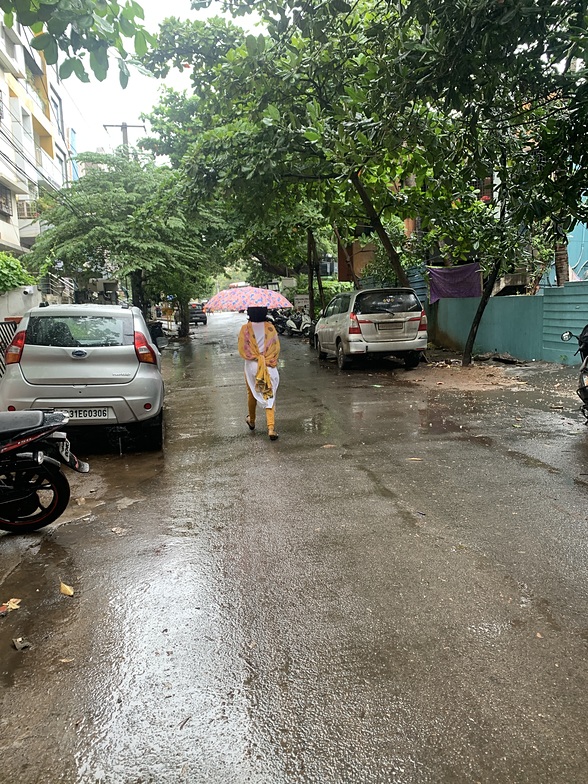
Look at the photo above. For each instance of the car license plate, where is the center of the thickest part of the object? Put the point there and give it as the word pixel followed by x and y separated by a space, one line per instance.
pixel 85 414
pixel 390 325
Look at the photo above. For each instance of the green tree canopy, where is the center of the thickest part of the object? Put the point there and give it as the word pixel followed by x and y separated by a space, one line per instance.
pixel 86 32
pixel 124 218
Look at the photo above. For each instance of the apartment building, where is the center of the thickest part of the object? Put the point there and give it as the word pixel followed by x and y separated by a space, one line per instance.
pixel 34 140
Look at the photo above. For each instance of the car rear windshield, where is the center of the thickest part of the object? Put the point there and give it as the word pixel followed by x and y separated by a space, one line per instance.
pixel 82 330
pixel 386 302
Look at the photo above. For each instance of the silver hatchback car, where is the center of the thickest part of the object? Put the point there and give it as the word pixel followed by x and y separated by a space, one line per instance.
pixel 96 362
pixel 386 321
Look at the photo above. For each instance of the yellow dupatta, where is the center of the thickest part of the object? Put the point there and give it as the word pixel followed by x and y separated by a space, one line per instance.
pixel 249 349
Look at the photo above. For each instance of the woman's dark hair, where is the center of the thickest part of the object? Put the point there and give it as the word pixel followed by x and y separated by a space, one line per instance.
pixel 257 314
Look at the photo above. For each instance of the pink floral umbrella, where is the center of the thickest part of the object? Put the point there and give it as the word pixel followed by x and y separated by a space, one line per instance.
pixel 245 297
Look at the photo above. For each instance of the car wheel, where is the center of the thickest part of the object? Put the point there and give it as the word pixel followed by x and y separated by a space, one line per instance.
pixel 321 354
pixel 412 359
pixel 343 361
pixel 151 433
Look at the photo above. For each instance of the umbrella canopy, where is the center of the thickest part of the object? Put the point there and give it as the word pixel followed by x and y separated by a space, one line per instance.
pixel 247 297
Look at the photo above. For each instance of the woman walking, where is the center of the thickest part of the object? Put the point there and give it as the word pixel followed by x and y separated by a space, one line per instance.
pixel 260 348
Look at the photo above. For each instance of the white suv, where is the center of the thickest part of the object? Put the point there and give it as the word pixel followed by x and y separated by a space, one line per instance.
pixel 96 362
pixel 373 321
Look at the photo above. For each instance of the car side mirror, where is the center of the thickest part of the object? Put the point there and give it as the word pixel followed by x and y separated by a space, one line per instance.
pixel 566 336
pixel 162 342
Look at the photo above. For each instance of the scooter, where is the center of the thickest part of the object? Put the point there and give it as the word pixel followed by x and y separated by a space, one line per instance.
pixel 298 324
pixel 582 391
pixel 278 319
pixel 33 490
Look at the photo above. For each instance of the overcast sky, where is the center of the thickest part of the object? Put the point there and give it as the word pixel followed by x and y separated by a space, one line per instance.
pixel 106 103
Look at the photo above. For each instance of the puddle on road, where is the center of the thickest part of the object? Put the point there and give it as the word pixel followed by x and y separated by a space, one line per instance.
pixel 36 583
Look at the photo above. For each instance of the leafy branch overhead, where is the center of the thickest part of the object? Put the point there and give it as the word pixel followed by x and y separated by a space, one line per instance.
pixel 83 35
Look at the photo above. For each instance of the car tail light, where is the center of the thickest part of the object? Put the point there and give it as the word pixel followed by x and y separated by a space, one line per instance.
pixel 423 322
pixel 14 350
pixel 143 350
pixel 354 328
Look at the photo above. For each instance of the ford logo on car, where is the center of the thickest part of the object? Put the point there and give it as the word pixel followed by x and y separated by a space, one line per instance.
pixel 79 353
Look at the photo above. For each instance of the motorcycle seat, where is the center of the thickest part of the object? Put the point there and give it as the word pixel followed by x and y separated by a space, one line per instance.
pixel 16 421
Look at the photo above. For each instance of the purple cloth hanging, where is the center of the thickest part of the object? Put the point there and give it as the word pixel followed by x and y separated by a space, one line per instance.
pixel 463 281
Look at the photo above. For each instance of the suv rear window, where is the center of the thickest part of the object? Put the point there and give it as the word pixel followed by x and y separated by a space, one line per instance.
pixel 80 331
pixel 386 302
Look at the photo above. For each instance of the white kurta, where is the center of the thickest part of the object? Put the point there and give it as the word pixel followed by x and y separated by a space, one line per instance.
pixel 251 369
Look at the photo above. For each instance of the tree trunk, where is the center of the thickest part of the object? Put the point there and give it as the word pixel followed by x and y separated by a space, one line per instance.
pixel 467 352
pixel 319 280
pixel 137 293
pixel 310 262
pixel 562 263
pixel 380 230
pixel 184 319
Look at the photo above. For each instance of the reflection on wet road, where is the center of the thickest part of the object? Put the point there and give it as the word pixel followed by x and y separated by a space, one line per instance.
pixel 395 591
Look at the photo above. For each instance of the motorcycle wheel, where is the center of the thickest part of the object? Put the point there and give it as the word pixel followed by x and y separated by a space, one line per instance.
pixel 38 495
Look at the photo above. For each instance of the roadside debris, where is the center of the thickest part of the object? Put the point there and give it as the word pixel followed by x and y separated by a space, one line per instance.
pixel 446 363
pixel 9 606
pixel 66 590
pixel 506 358
pixel 21 644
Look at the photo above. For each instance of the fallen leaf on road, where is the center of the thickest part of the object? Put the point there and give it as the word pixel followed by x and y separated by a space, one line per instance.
pixel 329 446
pixel 21 644
pixel 119 531
pixel 66 590
pixel 517 425
pixel 125 502
pixel 416 459
pixel 66 661
pixel 539 635
pixel 80 501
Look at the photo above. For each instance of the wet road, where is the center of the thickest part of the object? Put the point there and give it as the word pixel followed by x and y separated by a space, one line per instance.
pixel 395 591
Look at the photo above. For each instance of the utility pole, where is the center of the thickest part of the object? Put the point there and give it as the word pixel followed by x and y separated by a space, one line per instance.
pixel 125 133
pixel 137 275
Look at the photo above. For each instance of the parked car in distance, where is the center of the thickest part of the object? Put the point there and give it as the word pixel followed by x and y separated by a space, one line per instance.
pixel 384 322
pixel 98 363
pixel 197 314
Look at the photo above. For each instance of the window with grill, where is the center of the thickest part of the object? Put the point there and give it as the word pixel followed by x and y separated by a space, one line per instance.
pixel 27 210
pixel 5 200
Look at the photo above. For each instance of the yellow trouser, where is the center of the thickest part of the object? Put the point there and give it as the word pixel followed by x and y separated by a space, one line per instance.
pixel 270 415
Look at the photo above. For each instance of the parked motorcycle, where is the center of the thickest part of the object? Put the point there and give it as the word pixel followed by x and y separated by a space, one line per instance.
pixel 33 490
pixel 582 391
pixel 278 319
pixel 298 324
